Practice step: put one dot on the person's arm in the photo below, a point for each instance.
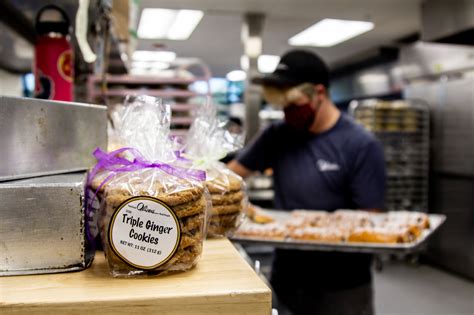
(256, 156)
(239, 169)
(368, 180)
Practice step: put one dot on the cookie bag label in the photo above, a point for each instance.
(144, 232)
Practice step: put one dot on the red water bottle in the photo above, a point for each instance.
(54, 62)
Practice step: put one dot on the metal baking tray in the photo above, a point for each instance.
(436, 220)
(42, 137)
(42, 225)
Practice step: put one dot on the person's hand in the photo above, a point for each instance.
(239, 169)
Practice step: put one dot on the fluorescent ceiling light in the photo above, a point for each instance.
(266, 63)
(330, 32)
(168, 24)
(184, 24)
(148, 55)
(236, 75)
(253, 46)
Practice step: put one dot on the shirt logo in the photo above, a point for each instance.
(325, 166)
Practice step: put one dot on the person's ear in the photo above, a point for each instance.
(320, 90)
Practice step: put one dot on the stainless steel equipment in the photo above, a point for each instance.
(436, 220)
(42, 225)
(403, 129)
(451, 100)
(39, 137)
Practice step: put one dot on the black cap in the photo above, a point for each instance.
(297, 67)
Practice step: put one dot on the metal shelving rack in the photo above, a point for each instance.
(403, 129)
(173, 90)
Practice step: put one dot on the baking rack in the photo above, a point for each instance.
(402, 126)
(173, 86)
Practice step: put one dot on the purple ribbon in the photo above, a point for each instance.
(115, 164)
(180, 157)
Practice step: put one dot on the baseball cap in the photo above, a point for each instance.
(297, 67)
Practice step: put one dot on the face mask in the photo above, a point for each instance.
(300, 117)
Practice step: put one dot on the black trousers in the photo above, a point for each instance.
(323, 283)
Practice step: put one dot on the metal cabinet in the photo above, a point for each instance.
(451, 102)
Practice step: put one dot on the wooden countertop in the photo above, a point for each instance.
(221, 283)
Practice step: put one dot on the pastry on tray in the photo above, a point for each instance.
(310, 218)
(258, 215)
(271, 230)
(328, 234)
(409, 217)
(380, 235)
(416, 222)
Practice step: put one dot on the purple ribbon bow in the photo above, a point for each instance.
(116, 164)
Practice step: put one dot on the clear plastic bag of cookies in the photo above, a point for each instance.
(153, 213)
(229, 200)
(208, 141)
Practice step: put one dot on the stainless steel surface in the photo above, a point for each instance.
(376, 80)
(452, 105)
(436, 220)
(453, 246)
(451, 101)
(39, 137)
(42, 225)
(456, 16)
(418, 60)
(424, 59)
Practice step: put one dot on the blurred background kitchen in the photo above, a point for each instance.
(414, 58)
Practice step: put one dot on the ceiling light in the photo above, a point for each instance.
(148, 55)
(236, 75)
(184, 24)
(168, 24)
(253, 46)
(267, 63)
(330, 32)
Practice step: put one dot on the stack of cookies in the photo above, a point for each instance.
(187, 201)
(227, 194)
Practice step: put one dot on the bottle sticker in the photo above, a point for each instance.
(65, 67)
(144, 232)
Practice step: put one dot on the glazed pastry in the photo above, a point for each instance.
(380, 235)
(327, 234)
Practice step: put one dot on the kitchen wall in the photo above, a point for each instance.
(10, 84)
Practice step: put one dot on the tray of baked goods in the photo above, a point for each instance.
(343, 230)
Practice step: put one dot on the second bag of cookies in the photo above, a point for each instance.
(153, 214)
(208, 141)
